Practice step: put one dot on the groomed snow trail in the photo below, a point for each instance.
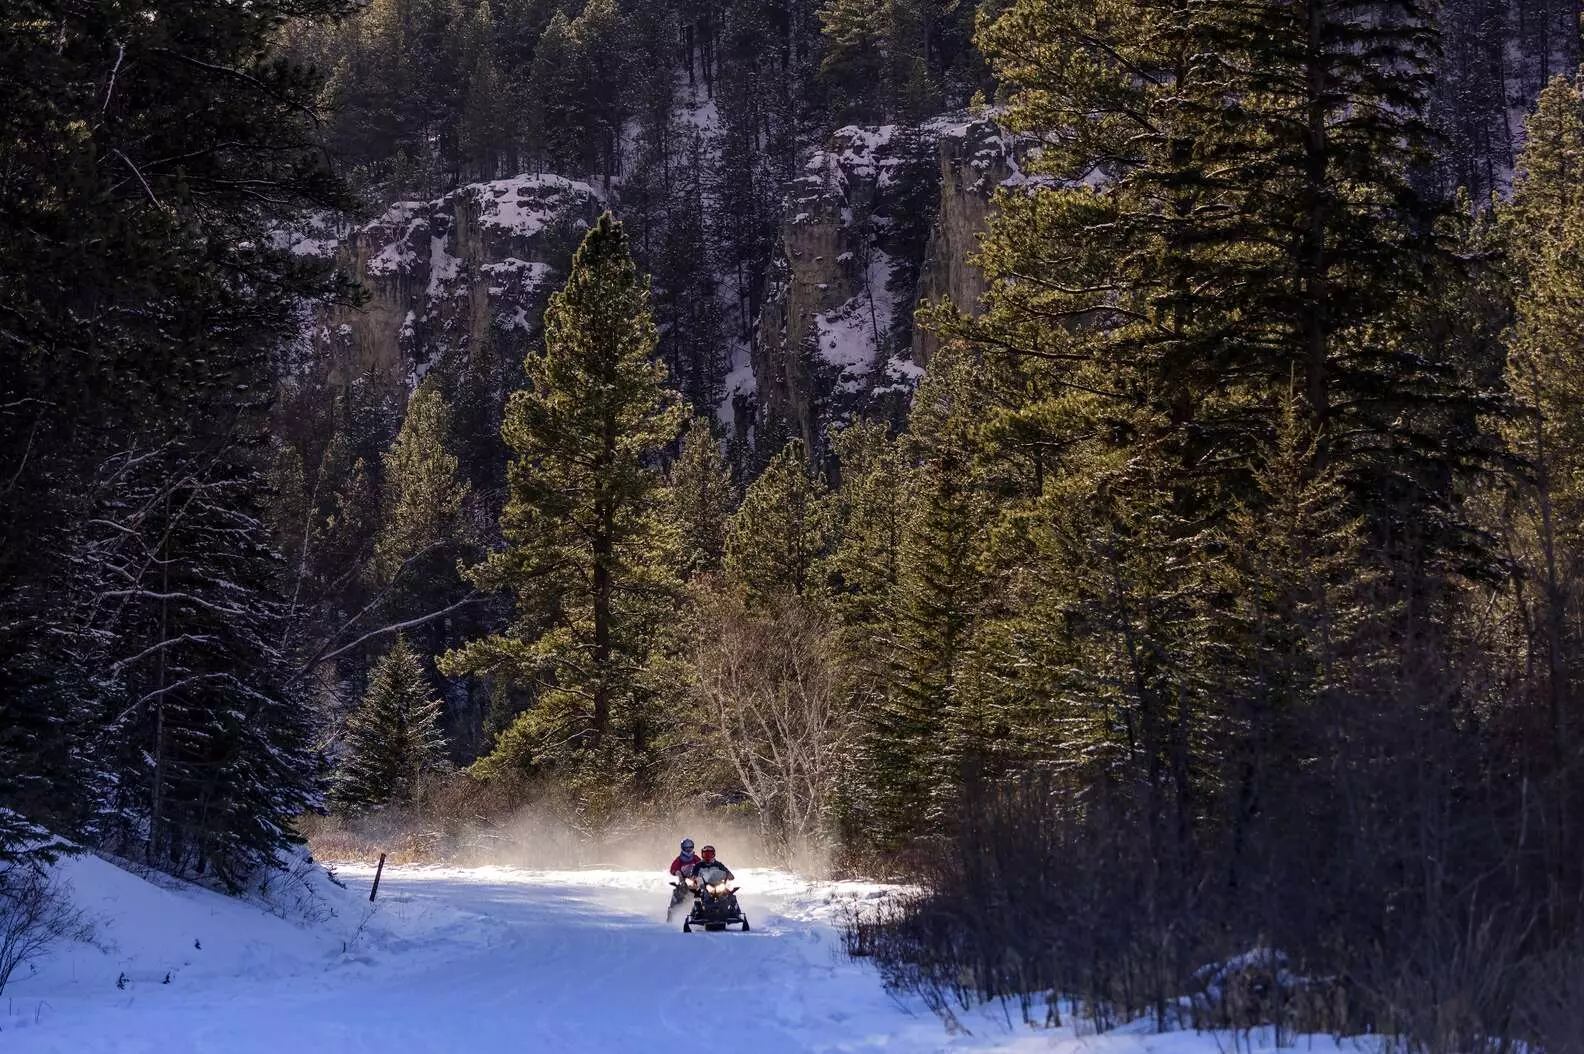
(485, 960)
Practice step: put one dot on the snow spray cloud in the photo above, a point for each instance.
(551, 834)
(541, 837)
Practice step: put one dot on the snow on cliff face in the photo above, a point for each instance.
(881, 219)
(447, 280)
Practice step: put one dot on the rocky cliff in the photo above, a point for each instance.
(882, 219)
(459, 282)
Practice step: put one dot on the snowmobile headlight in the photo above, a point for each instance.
(718, 888)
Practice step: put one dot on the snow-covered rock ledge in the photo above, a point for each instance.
(881, 219)
(448, 279)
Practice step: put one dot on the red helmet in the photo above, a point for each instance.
(707, 852)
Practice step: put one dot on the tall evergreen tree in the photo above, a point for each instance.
(393, 740)
(702, 497)
(606, 54)
(423, 489)
(917, 743)
(585, 557)
(693, 338)
(561, 127)
(151, 157)
(1227, 247)
(870, 511)
(782, 530)
(1543, 231)
(205, 743)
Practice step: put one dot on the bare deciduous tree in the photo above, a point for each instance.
(771, 682)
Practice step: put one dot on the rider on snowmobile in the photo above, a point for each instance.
(682, 869)
(707, 859)
(685, 864)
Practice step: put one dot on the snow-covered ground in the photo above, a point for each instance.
(480, 960)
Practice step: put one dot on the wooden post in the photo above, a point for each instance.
(378, 871)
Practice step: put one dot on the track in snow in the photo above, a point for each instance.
(485, 960)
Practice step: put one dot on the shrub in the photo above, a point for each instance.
(35, 912)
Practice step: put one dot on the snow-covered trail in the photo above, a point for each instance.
(493, 959)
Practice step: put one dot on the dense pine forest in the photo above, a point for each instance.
(1116, 464)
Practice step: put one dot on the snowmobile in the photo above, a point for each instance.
(714, 901)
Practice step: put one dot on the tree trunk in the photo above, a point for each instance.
(157, 805)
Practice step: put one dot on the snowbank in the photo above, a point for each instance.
(159, 931)
(494, 959)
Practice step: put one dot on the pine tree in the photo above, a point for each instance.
(586, 557)
(918, 741)
(1543, 231)
(394, 738)
(373, 92)
(758, 149)
(870, 510)
(606, 55)
(561, 128)
(854, 61)
(702, 497)
(891, 59)
(485, 120)
(782, 530)
(692, 337)
(423, 491)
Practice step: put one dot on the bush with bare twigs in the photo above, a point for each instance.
(35, 912)
(769, 684)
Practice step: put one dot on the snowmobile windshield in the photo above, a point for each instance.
(711, 873)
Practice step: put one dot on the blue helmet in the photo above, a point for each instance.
(687, 846)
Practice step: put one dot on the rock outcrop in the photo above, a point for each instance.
(881, 219)
(973, 158)
(449, 281)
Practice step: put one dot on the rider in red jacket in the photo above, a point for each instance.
(685, 864)
(682, 869)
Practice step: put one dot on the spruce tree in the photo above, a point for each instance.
(1148, 312)
(423, 490)
(702, 497)
(1542, 229)
(870, 512)
(152, 157)
(917, 742)
(203, 739)
(393, 740)
(587, 558)
(1308, 622)
(1220, 248)
(782, 530)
